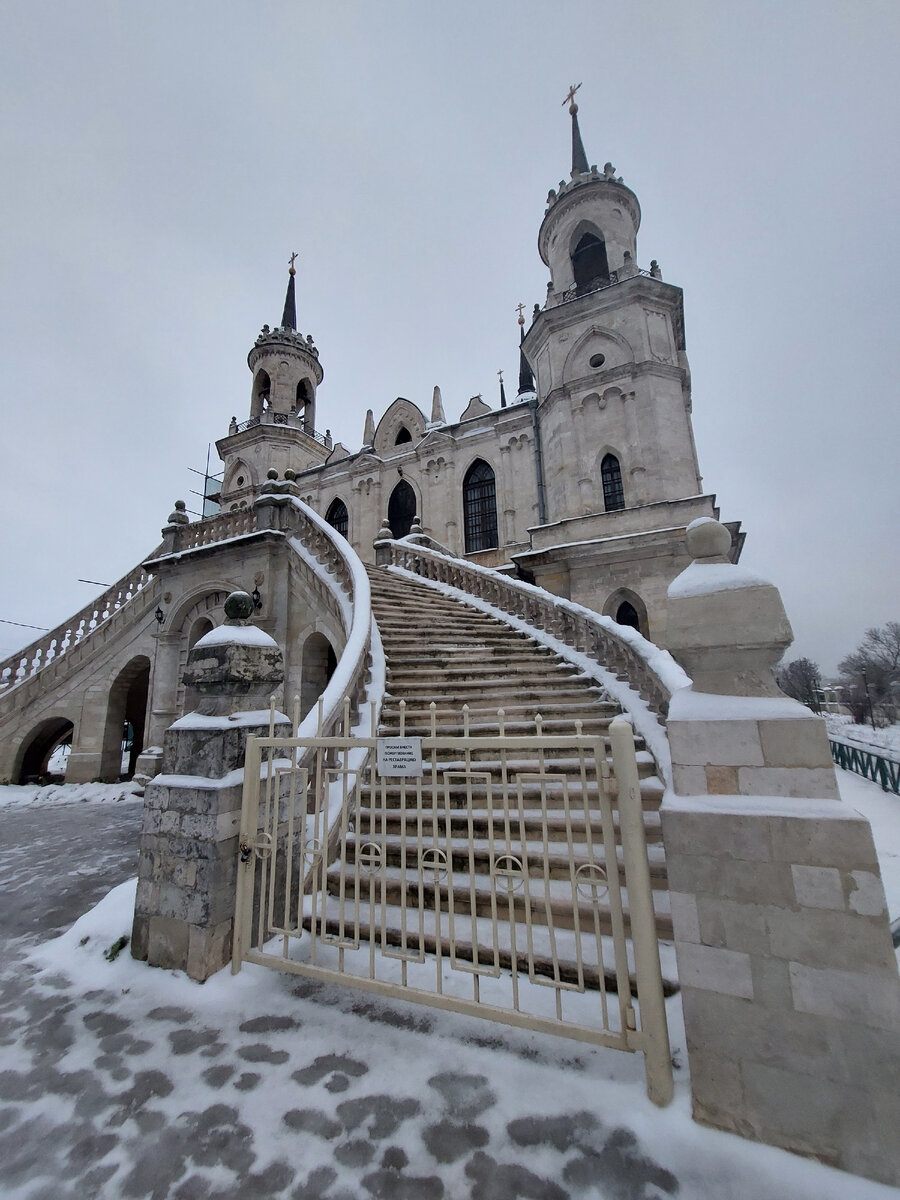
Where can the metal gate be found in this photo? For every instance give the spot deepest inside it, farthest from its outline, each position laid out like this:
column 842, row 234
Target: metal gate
column 504, row 877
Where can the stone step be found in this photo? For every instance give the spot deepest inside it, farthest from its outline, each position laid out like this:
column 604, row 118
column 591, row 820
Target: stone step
column 484, row 822
column 474, row 861
column 565, row 970
column 392, row 890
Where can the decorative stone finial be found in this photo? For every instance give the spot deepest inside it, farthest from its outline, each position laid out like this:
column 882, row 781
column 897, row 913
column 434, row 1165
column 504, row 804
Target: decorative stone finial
column 238, row 608
column 726, row 626
column 289, row 475
column 271, row 474
column 369, row 429
column 385, row 531
column 416, row 527
column 655, row 272
column 179, row 516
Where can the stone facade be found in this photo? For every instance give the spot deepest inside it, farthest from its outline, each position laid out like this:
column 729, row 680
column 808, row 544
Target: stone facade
column 604, row 377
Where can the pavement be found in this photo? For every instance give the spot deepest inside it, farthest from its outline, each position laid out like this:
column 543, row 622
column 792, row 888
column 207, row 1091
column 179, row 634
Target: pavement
column 118, row 1080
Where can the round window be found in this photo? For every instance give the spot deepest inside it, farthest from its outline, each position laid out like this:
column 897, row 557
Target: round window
column 240, row 481
column 597, row 360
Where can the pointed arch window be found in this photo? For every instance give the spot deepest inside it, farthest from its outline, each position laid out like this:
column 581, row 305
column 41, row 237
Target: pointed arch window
column 480, row 507
column 401, row 509
column 337, row 516
column 611, row 478
column 403, row 435
column 589, row 261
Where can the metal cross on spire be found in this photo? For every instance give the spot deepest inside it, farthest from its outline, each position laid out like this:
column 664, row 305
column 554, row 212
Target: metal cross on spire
column 294, row 258
column 570, row 98
column 520, row 309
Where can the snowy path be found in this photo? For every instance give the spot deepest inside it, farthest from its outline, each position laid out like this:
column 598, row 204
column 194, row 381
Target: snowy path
column 117, row 1080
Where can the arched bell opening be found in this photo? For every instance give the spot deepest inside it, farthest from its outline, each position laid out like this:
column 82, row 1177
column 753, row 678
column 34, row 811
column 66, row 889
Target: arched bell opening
column 262, row 392
column 401, row 509
column 43, row 741
column 305, row 401
column 317, row 666
column 590, row 265
column 126, row 716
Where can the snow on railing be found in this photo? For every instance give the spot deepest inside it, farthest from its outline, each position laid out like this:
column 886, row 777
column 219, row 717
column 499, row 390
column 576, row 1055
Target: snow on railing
column 50, row 648
column 650, row 671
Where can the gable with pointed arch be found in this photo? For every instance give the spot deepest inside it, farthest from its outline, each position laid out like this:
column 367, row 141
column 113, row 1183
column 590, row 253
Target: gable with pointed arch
column 402, row 414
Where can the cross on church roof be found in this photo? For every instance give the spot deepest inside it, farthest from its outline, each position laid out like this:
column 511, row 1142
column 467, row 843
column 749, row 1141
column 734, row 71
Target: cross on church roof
column 520, row 308
column 294, row 258
column 570, row 98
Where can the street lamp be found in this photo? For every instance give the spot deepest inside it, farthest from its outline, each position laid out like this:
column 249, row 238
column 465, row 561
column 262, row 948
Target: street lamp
column 160, row 615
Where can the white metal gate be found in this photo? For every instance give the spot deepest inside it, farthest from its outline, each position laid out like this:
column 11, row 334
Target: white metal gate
column 504, row 877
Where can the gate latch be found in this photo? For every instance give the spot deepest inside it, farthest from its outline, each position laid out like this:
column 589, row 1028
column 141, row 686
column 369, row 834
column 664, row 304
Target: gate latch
column 246, row 851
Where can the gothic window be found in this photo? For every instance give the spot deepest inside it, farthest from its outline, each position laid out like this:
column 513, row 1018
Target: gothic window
column 589, row 262
column 303, row 394
column 403, row 435
column 611, row 477
column 401, row 509
column 337, row 516
column 480, row 507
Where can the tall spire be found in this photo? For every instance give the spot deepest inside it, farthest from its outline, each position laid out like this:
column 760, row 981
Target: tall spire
column 502, row 391
column 526, row 378
column 289, row 316
column 579, row 158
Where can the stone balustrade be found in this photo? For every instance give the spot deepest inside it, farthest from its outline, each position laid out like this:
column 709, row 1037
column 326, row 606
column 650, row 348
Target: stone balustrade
column 649, row 670
column 30, row 668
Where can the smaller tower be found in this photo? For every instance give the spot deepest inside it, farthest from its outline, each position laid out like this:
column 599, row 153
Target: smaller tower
column 281, row 430
column 285, row 367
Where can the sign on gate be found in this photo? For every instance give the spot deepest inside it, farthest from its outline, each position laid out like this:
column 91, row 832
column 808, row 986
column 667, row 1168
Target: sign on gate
column 501, row 877
column 398, row 757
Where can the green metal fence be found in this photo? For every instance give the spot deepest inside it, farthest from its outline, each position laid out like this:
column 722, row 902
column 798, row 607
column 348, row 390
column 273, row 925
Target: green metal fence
column 864, row 762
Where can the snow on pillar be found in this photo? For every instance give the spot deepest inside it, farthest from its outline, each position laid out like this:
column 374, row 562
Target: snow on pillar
column 788, row 977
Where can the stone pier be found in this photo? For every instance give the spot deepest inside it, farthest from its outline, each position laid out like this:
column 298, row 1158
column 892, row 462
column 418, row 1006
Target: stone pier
column 789, row 980
column 184, row 911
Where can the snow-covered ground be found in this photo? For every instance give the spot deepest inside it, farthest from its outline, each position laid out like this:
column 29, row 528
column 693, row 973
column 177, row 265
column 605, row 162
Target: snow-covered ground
column 119, row 1080
column 885, row 740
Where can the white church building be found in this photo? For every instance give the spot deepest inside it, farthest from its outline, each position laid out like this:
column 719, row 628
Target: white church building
column 583, row 483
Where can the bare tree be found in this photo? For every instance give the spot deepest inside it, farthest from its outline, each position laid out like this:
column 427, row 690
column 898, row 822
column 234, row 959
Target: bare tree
column 872, row 673
column 802, row 680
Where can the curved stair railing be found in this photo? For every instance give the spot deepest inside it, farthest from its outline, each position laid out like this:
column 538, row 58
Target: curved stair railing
column 39, row 664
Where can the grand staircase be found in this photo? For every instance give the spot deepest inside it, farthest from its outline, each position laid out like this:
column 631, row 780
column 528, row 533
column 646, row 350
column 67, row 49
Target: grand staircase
column 469, row 665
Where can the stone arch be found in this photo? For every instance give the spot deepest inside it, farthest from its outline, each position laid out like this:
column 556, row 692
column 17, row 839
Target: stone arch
column 38, row 746
column 239, row 470
column 317, row 665
column 199, row 628
column 260, row 397
column 618, row 604
column 399, row 415
column 403, row 506
column 126, row 713
column 598, row 341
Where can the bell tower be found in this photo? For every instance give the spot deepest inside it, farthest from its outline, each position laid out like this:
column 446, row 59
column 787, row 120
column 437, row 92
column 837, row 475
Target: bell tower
column 615, row 460
column 281, row 429
column 608, row 354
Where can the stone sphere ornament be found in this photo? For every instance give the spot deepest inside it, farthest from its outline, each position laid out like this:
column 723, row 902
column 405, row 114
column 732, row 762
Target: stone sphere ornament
column 707, row 538
column 239, row 606
column 271, row 473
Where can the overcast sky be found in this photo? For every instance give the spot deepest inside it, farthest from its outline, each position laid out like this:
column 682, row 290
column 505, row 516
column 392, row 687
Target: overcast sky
column 160, row 161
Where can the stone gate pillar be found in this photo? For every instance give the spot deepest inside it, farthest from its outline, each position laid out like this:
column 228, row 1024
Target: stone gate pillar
column 789, row 981
column 184, row 910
